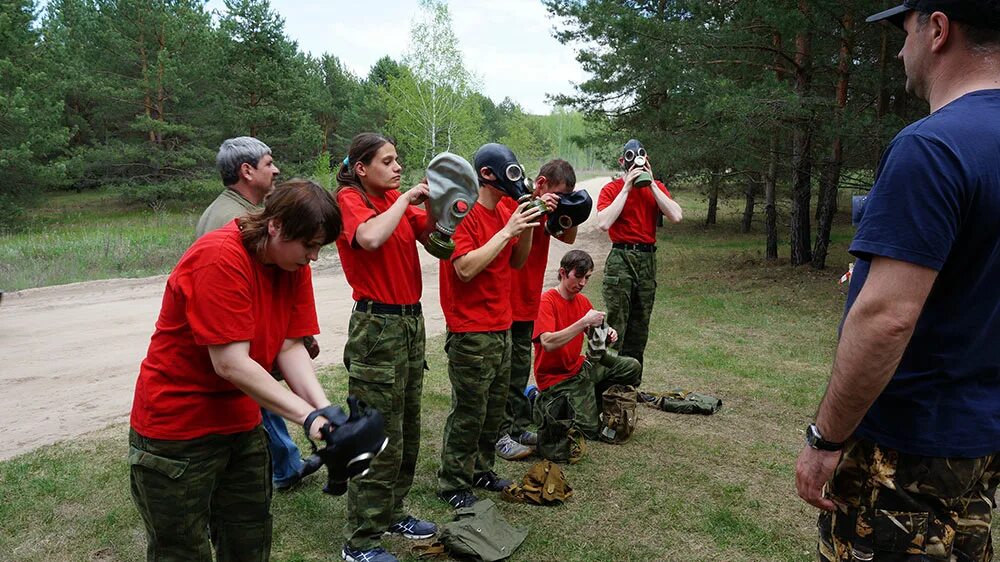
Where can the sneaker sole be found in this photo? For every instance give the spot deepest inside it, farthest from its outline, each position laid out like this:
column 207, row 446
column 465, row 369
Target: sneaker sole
column 518, row 456
column 410, row 536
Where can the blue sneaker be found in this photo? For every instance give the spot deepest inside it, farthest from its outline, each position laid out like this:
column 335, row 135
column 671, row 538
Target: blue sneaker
column 413, row 528
column 377, row 554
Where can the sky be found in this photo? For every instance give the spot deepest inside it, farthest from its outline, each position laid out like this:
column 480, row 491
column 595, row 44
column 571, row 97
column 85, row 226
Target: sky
column 507, row 44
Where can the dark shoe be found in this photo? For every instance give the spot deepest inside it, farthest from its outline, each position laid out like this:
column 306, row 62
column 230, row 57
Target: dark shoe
column 490, row 481
column 529, row 438
column 377, row 554
column 413, row 528
column 459, row 499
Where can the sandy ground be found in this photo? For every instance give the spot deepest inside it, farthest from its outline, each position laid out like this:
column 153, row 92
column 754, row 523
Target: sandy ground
column 70, row 354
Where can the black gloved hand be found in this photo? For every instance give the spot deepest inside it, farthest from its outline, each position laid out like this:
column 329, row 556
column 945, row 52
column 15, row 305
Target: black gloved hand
column 352, row 441
column 573, row 209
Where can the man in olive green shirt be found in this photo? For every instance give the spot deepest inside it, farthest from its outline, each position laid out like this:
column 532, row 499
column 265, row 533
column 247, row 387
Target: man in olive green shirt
column 248, row 172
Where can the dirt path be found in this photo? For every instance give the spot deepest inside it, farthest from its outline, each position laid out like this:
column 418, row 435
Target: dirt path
column 70, row 354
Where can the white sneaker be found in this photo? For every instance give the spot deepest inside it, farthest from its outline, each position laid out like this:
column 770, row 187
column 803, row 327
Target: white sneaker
column 511, row 450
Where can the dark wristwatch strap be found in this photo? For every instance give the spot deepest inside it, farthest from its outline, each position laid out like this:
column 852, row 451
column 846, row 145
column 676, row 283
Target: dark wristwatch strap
column 815, row 440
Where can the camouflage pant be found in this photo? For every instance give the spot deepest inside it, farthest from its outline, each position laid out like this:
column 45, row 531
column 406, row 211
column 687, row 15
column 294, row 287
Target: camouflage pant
column 629, row 293
column 584, row 390
column 479, row 370
column 899, row 507
column 517, row 414
column 385, row 359
column 213, row 490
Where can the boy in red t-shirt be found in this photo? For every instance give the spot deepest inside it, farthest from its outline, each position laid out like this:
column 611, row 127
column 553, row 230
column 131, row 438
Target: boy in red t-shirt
column 475, row 284
column 563, row 317
column 628, row 213
column 556, row 177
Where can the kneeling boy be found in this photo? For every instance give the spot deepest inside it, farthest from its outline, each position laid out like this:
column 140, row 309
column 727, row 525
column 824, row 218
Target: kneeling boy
column 563, row 317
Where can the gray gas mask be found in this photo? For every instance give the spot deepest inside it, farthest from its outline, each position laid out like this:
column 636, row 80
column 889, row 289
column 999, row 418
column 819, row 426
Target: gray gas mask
column 453, row 187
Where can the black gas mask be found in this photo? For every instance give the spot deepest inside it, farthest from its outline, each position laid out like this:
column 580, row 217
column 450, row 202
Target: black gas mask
column 500, row 160
column 634, row 156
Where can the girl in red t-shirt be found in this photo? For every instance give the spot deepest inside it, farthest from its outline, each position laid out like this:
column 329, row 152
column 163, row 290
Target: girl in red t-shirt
column 238, row 302
column 385, row 346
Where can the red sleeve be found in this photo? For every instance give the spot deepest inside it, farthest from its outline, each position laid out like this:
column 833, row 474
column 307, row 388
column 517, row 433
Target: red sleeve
column 464, row 237
column 608, row 194
column 353, row 212
column 219, row 303
column 546, row 321
column 663, row 188
column 303, row 321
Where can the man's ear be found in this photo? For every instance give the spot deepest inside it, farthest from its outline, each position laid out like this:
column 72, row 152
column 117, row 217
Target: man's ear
column 942, row 31
column 486, row 173
column 246, row 171
column 541, row 183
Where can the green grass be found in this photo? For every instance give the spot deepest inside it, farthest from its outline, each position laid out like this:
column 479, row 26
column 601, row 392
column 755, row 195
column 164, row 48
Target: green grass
column 685, row 488
column 93, row 235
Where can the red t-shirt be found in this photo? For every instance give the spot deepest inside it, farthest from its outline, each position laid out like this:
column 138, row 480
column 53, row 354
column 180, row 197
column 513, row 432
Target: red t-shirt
column 554, row 314
column 482, row 304
column 217, row 294
column 637, row 223
column 391, row 273
column 526, row 289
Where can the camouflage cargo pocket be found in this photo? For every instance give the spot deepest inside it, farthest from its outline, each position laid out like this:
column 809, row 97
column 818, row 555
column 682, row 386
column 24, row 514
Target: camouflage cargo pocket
column 171, row 468
column 899, row 531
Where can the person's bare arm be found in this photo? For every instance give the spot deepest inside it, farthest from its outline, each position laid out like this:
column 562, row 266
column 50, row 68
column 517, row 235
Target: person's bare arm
column 875, row 335
column 552, row 341
column 474, row 262
column 232, row 362
column 375, row 231
column 607, row 217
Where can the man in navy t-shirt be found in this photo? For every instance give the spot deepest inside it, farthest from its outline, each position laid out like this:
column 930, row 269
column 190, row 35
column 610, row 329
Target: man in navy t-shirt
column 904, row 456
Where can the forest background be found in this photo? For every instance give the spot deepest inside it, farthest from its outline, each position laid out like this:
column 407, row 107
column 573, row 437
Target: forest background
column 781, row 104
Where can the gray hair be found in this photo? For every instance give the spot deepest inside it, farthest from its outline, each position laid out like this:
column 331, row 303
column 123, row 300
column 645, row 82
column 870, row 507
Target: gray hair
column 238, row 151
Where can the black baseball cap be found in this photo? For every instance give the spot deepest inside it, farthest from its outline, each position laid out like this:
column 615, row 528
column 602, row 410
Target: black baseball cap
column 979, row 13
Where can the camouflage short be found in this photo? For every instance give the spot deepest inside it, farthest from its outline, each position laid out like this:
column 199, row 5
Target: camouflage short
column 629, row 293
column 198, row 493
column 896, row 507
column 584, row 389
column 479, row 371
column 385, row 358
column 517, row 415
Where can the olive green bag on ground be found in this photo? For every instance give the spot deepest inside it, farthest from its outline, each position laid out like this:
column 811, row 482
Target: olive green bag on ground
column 680, row 401
column 619, row 413
column 481, row 533
column 559, row 440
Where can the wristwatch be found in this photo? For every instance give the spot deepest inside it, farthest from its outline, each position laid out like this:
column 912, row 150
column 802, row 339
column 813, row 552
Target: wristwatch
column 815, row 440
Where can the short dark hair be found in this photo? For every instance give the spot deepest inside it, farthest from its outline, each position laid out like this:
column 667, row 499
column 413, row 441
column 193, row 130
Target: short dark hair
column 576, row 261
column 304, row 209
column 981, row 40
column 559, row 171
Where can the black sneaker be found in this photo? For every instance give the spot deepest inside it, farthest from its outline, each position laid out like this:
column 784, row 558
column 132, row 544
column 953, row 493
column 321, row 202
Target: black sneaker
column 459, row 499
column 490, row 481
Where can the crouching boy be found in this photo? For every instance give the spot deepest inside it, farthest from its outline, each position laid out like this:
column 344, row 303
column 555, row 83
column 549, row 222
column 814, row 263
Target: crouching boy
column 563, row 317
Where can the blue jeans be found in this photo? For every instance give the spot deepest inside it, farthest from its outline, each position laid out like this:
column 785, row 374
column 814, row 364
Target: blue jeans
column 286, row 461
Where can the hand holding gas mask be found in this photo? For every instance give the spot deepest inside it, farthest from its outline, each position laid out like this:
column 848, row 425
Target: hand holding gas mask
column 634, row 157
column 453, row 190
column 572, row 210
column 508, row 174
